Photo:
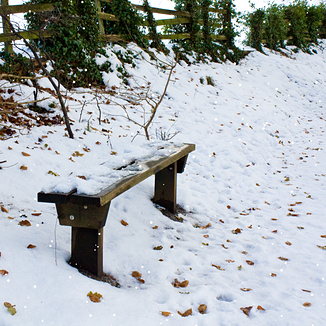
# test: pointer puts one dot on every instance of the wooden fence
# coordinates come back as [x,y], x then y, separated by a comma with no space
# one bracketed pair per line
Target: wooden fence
[180,17]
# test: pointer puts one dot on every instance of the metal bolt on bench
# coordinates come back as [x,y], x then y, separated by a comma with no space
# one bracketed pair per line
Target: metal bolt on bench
[87,214]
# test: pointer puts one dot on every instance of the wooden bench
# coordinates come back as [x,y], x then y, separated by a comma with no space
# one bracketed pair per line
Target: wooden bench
[87,214]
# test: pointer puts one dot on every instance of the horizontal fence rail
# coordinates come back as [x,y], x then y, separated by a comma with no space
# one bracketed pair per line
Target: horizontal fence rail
[180,17]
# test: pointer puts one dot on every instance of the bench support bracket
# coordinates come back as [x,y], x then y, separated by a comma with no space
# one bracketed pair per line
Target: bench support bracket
[87,250]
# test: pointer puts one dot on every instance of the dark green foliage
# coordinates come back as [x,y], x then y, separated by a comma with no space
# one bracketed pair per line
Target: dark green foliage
[275,27]
[16,64]
[296,14]
[74,43]
[256,23]
[296,24]
[129,23]
[228,51]
[315,19]
[153,35]
[203,26]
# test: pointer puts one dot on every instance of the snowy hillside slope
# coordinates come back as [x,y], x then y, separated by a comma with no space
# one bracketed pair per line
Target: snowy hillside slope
[254,193]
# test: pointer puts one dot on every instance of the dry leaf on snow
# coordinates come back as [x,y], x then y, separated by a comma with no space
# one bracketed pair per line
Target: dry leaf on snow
[25,223]
[165,313]
[236,231]
[273,274]
[186,313]
[202,308]
[26,154]
[249,262]
[94,297]
[124,223]
[11,308]
[137,276]
[218,267]
[23,167]
[36,214]
[245,289]
[246,310]
[283,258]
[307,304]
[306,290]
[81,177]
[288,243]
[3,272]
[4,209]
[30,246]
[260,308]
[178,284]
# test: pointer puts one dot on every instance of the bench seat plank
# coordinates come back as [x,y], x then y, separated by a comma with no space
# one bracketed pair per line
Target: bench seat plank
[114,190]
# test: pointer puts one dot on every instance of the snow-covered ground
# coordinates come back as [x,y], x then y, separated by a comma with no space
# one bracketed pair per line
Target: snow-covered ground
[254,191]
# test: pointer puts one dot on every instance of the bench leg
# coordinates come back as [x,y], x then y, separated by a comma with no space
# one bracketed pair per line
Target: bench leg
[166,188]
[87,250]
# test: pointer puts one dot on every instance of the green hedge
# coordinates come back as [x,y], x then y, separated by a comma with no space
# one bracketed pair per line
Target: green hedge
[276,26]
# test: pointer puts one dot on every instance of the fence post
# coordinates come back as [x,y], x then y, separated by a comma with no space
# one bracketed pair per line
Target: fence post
[100,21]
[6,28]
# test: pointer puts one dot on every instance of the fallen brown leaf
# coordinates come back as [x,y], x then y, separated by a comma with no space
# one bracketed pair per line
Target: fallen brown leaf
[25,154]
[36,214]
[155,227]
[275,231]
[135,274]
[23,167]
[4,209]
[202,308]
[220,220]
[81,177]
[307,304]
[236,231]
[25,223]
[323,236]
[224,246]
[218,267]
[186,313]
[288,243]
[206,226]
[124,223]
[273,274]
[206,236]
[245,289]
[260,308]
[94,297]
[230,260]
[246,310]
[3,272]
[165,313]
[30,246]
[178,284]
[245,252]
[249,262]
[283,258]
[306,290]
